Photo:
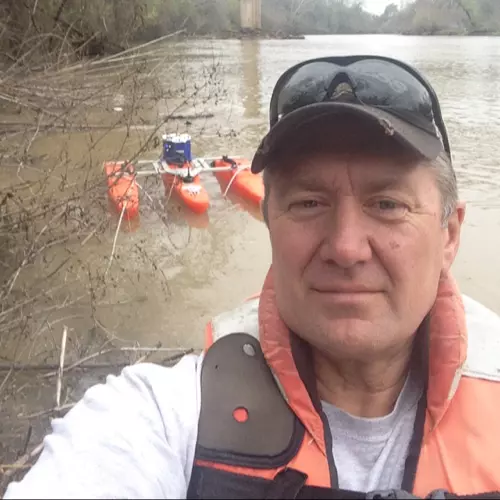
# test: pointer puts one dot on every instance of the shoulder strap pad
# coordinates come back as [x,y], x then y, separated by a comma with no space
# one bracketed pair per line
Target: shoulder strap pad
[235,376]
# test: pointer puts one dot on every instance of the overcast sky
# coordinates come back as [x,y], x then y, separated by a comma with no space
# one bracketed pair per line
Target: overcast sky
[378,6]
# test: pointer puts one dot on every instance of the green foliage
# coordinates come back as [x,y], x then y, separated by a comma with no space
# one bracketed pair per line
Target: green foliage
[196,16]
[316,16]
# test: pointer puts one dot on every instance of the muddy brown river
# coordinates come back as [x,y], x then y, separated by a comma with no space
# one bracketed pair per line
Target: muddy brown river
[211,264]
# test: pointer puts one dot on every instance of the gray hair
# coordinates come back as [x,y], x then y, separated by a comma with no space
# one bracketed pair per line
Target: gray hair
[445,179]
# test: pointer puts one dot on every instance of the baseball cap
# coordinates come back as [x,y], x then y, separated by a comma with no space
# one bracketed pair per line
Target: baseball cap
[386,91]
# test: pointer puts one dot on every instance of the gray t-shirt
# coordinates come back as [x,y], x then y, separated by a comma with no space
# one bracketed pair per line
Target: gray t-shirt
[370,453]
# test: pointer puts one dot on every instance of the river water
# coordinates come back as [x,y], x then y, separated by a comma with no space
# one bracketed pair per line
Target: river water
[212,264]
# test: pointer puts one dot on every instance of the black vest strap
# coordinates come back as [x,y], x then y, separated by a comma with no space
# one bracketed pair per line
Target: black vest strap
[210,484]
[286,484]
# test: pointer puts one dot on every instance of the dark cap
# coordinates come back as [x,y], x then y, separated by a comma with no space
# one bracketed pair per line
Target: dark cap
[385,91]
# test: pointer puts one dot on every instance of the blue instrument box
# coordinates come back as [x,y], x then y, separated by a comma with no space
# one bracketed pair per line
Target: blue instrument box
[177,148]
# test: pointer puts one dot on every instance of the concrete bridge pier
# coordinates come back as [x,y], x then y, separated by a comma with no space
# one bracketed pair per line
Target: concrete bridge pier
[250,11]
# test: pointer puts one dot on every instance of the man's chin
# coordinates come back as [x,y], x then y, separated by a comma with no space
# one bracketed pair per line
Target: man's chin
[349,338]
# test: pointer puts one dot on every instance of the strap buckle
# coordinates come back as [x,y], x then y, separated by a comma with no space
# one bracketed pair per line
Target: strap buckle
[390,495]
[438,495]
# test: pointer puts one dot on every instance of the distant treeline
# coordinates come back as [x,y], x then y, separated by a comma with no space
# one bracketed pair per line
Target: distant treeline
[442,17]
[419,17]
[99,26]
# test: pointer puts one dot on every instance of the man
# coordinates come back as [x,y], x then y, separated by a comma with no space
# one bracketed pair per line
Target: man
[360,368]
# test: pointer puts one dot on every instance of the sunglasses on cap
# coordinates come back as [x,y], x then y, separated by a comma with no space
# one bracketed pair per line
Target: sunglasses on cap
[384,90]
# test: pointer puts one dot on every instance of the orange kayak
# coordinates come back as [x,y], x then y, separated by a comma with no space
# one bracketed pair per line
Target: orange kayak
[123,190]
[240,181]
[191,192]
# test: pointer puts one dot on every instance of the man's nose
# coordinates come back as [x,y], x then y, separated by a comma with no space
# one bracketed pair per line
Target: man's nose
[346,241]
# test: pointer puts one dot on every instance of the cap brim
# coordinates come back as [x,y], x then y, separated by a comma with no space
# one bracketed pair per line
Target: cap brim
[423,143]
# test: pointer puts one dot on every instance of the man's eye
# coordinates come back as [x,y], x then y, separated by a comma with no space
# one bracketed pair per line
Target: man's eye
[304,204]
[388,209]
[387,205]
[306,208]
[309,203]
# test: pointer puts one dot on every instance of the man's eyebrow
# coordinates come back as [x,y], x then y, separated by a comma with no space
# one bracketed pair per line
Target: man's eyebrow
[378,184]
[366,186]
[300,183]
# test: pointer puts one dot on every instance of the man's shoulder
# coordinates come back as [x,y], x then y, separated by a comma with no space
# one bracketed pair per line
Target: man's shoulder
[163,385]
[133,436]
[154,373]
[483,341]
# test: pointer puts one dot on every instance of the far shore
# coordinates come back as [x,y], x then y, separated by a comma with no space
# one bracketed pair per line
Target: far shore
[282,35]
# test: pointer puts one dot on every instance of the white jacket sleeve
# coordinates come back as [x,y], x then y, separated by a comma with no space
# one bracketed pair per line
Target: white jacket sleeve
[133,437]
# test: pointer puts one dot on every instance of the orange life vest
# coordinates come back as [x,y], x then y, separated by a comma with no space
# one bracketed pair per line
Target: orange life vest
[456,445]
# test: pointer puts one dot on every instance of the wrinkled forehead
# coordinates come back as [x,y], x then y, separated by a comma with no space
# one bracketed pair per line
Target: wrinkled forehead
[336,176]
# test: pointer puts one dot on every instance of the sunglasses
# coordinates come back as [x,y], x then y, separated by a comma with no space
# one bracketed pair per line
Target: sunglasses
[379,82]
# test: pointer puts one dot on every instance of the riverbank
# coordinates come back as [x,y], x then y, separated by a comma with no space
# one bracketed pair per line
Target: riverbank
[450,33]
[255,34]
[70,269]
[282,35]
[33,395]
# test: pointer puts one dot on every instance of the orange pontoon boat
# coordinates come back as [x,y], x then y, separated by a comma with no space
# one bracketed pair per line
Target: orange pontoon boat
[181,173]
[123,191]
[239,180]
[189,190]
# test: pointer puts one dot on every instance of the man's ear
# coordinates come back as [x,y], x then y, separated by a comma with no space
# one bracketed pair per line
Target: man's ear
[452,233]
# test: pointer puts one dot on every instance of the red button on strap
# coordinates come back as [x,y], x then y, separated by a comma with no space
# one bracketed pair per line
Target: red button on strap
[240,415]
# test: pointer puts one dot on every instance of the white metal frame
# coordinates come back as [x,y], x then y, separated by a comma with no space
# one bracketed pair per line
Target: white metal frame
[199,165]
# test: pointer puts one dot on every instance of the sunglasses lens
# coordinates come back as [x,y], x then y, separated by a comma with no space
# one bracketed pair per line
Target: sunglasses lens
[371,82]
[308,85]
[385,84]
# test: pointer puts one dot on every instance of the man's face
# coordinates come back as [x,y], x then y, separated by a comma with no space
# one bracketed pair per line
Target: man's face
[358,249]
